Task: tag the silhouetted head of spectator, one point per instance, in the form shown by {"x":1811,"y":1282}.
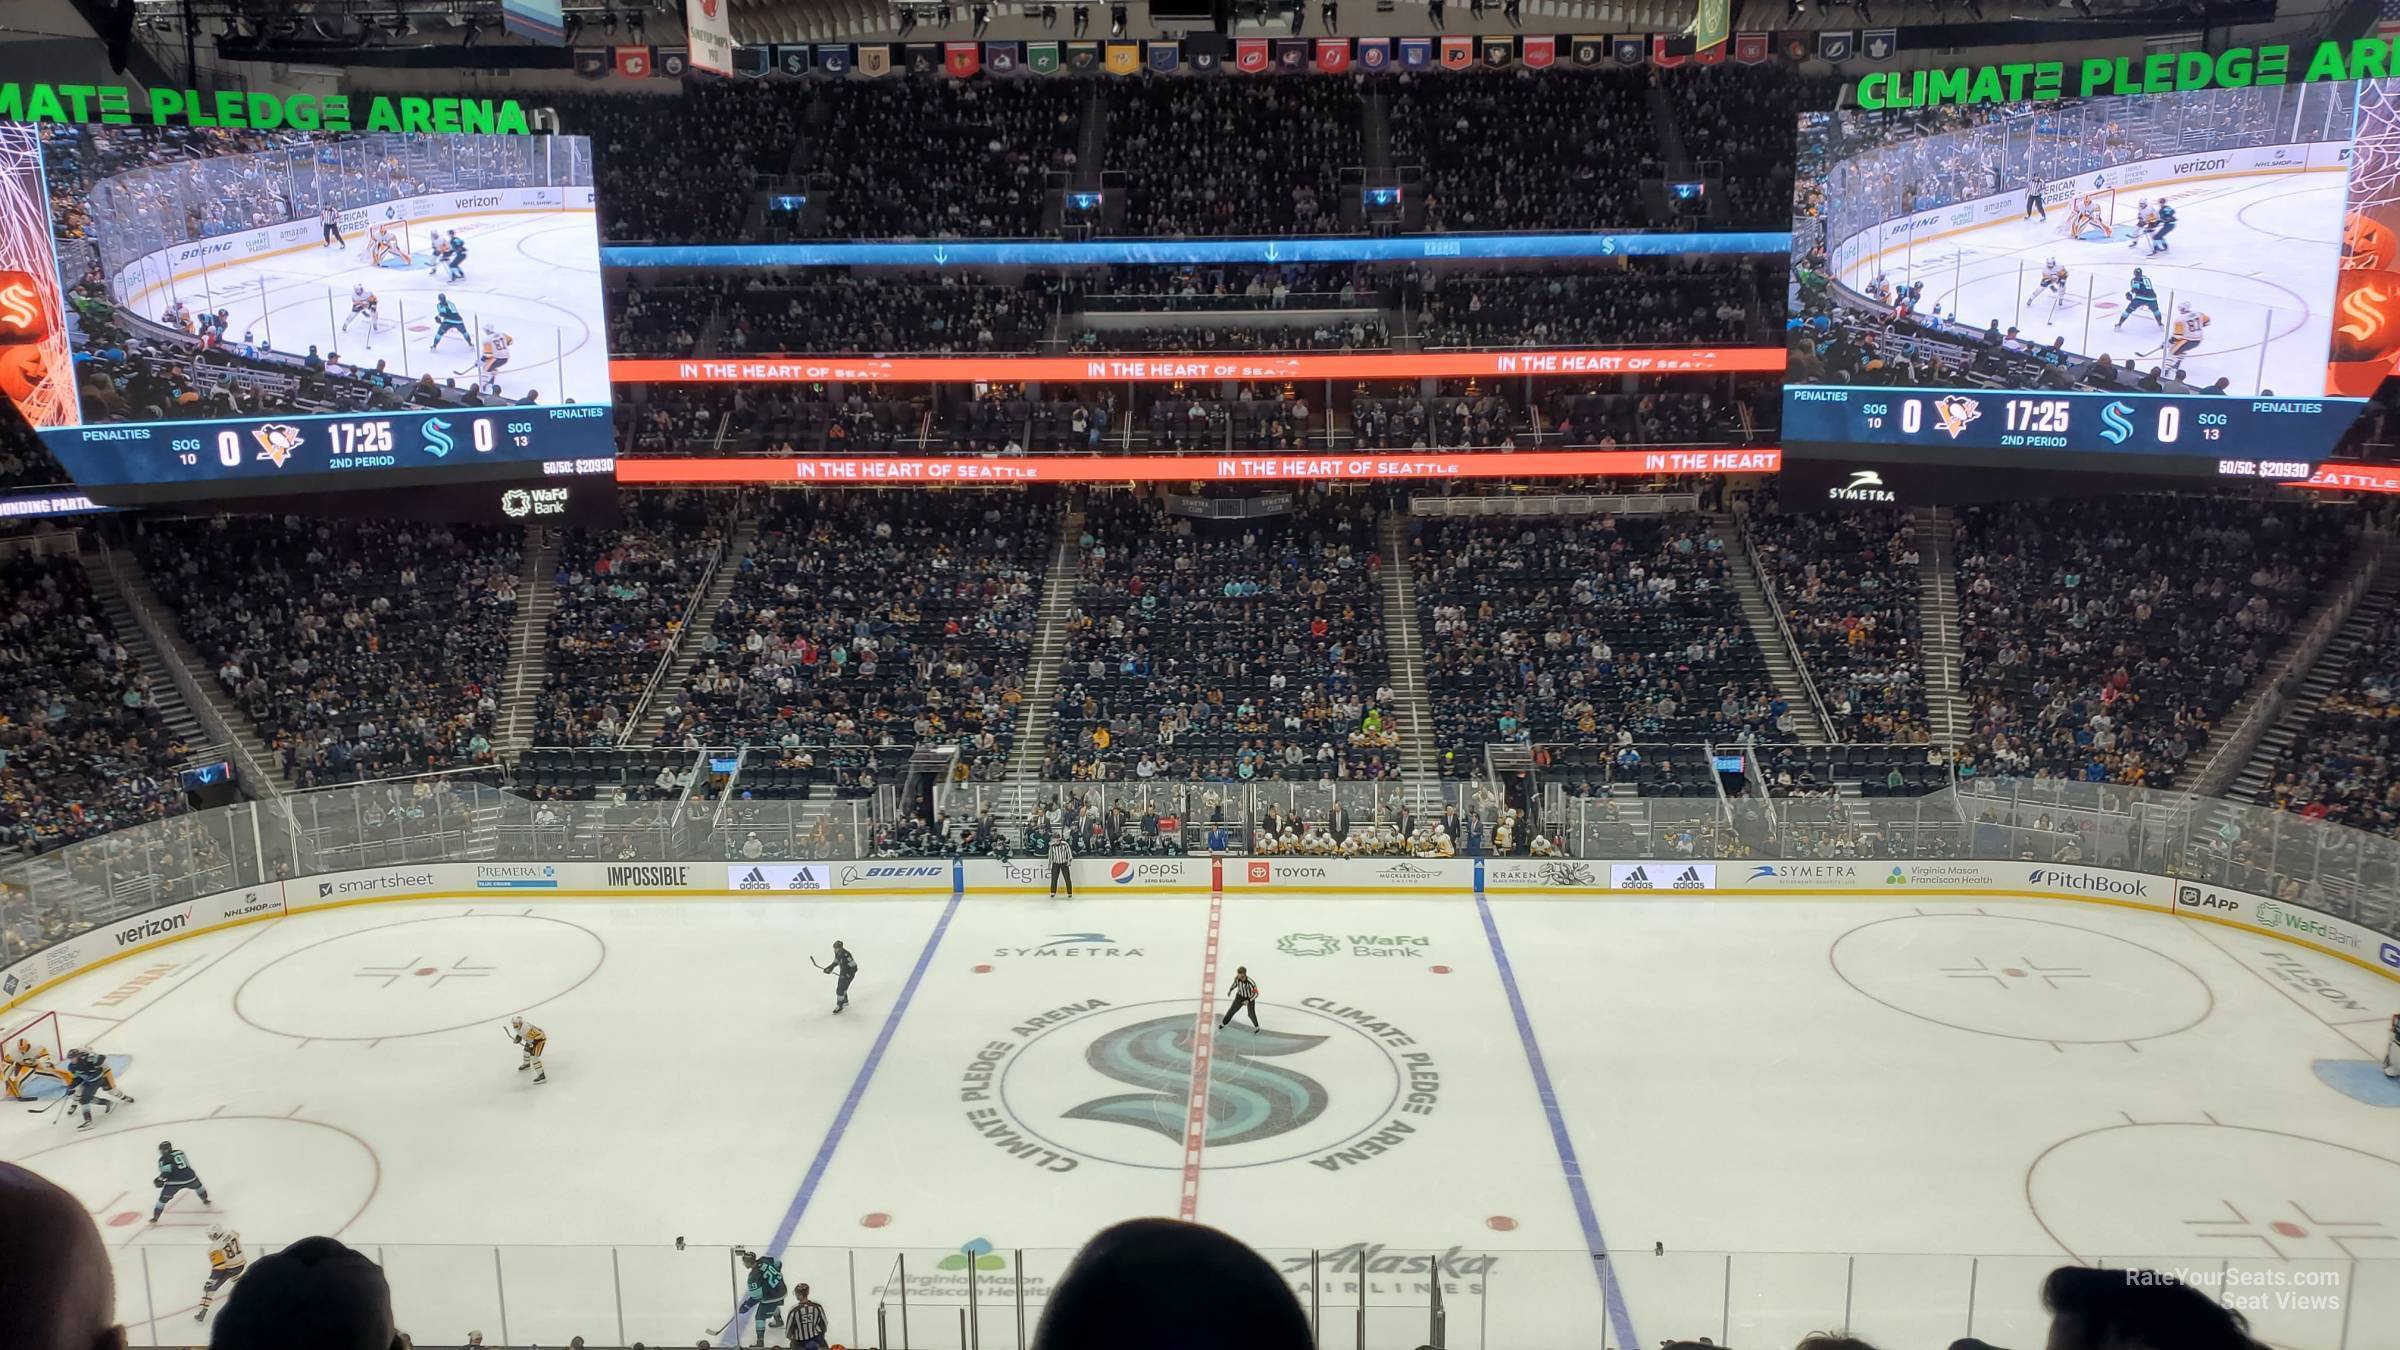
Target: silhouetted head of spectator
{"x":1164,"y":1285}
{"x":1826,"y":1340}
{"x":57,"y":1290}
{"x":313,"y":1295}
{"x":2136,"y":1310}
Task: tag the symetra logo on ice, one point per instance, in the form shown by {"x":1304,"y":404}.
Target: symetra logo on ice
{"x":2087,"y":881}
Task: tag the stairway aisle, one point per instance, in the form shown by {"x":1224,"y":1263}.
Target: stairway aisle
{"x":1022,"y":792}
{"x":2334,"y":667}
{"x":1783,"y":663}
{"x":651,"y":719}
{"x":1404,"y":652}
{"x":529,"y":642}
{"x":1937,"y":620}
{"x":148,"y":631}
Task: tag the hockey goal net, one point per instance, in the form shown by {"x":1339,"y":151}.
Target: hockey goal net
{"x":396,"y":231}
{"x":2103,"y":204}
{"x":41,"y":1033}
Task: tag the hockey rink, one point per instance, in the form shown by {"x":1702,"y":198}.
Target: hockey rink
{"x":1873,"y":1110}
{"x":2256,"y":253}
{"x":532,"y":274}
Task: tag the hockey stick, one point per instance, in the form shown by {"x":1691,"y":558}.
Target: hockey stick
{"x":737,"y":1316}
{"x":821,"y":970}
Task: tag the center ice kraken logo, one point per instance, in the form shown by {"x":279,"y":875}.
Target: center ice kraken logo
{"x":1094,"y":1081}
{"x":1247,"y":1098}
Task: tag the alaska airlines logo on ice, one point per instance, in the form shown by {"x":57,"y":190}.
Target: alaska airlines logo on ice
{"x":1865,"y":485}
{"x":1955,"y":411}
{"x":2116,"y":426}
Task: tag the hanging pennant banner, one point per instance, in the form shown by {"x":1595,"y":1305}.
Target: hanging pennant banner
{"x":1124,"y":58}
{"x":1661,"y":53}
{"x":1041,"y":57}
{"x":1250,"y":55}
{"x":874,"y":58}
{"x":1458,"y":53}
{"x":1628,"y":50}
{"x":1416,"y":53}
{"x":1333,"y":55}
{"x":1499,"y":52}
{"x":961,"y":59}
{"x":1541,"y":50}
{"x":1083,"y":57}
{"x":1374,"y":54}
{"x":834,"y":59}
{"x":1164,"y":56}
{"x":1291,"y":55}
{"x":922,"y":58}
{"x":1750,"y":48}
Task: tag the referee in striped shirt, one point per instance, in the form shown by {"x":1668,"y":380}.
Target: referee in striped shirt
{"x":806,"y":1320}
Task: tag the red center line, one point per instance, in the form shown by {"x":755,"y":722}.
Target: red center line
{"x":1204,"y":1040}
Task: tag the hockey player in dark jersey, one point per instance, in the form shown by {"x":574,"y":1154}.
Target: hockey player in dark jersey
{"x":765,"y":1293}
{"x":447,"y":320}
{"x":2142,"y":295}
{"x":87,"y":1075}
{"x":844,"y":970}
{"x":174,"y":1174}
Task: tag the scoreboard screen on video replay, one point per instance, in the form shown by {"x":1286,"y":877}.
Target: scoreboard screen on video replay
{"x":236,"y":314}
{"x":2200,"y":282}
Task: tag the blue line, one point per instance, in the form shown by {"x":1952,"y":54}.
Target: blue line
{"x":858,"y":1092}
{"x":1610,"y":1293}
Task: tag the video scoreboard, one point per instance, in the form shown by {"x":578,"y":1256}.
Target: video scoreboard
{"x":2197,"y":283}
{"x":221,"y":317}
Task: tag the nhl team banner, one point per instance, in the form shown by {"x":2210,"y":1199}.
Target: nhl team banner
{"x":1374,"y":54}
{"x":1207,"y":60}
{"x":1416,"y":53}
{"x":1164,"y":56}
{"x":834,"y":59}
{"x":1628,"y":50}
{"x":961,"y":59}
{"x":1878,"y":44}
{"x":1662,"y":51}
{"x":1750,"y":48}
{"x":1836,"y":47}
{"x":1541,"y":50}
{"x":1589,"y":49}
{"x":922,"y":58}
{"x":791,"y":60}
{"x":1124,"y":58}
{"x":591,"y":62}
{"x":672,"y":62}
{"x":709,"y":25}
{"x":1710,"y":25}
{"x":874,"y":58}
{"x":1250,"y":55}
{"x":1291,"y":55}
{"x":1001,"y":58}
{"x":1041,"y":57}
{"x":1333,"y":55}
{"x":1083,"y":57}
{"x":1458,"y":53}
{"x":1498,"y":52}
{"x":633,"y":62}
{"x":753,"y":62}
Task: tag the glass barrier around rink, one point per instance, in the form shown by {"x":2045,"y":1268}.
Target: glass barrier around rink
{"x":1359,"y":1297}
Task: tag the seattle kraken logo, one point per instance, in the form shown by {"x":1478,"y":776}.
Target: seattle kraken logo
{"x":2114,"y":426}
{"x":437,"y":438}
{"x":1247,"y":1099}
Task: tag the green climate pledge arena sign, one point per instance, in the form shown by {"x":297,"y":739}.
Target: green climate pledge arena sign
{"x":2164,"y":72}
{"x":112,"y":105}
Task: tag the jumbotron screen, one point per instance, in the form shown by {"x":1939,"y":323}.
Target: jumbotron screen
{"x":2195,"y":283}
{"x":225,"y":313}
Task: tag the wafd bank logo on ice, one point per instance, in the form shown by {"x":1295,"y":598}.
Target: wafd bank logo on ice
{"x":1324,"y":1083}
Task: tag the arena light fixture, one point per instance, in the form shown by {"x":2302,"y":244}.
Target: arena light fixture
{"x":983,"y":18}
{"x":1331,"y":15}
{"x":1511,"y":11}
{"x":1083,"y":20}
{"x":468,"y":34}
{"x":1049,"y":16}
{"x":1299,"y":16}
{"x":908,"y":22}
{"x":1116,"y":21}
{"x":1475,"y":10}
{"x":1438,"y":12}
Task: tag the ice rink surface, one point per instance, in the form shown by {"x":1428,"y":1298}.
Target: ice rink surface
{"x":1782,"y":1091}
{"x":534,"y":275}
{"x":2257,"y":253}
